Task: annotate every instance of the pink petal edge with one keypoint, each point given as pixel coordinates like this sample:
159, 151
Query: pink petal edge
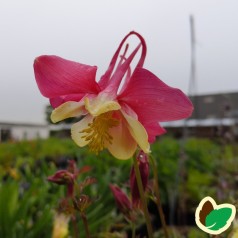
153, 100
57, 77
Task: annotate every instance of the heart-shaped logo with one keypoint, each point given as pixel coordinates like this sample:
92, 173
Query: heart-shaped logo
213, 218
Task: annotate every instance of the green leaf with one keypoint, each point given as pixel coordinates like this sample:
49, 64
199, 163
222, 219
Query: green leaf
218, 218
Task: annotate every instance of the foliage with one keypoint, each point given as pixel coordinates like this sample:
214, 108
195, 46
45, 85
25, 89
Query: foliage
196, 167
28, 164
26, 203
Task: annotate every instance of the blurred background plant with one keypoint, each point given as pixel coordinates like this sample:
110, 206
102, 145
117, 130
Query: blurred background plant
188, 171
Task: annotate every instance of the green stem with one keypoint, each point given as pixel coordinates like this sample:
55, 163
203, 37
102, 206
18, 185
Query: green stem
133, 228
142, 198
85, 223
157, 194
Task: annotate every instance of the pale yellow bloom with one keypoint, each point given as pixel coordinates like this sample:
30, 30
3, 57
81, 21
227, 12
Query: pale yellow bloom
60, 228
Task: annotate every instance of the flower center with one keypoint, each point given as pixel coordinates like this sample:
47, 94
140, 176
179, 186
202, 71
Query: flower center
97, 132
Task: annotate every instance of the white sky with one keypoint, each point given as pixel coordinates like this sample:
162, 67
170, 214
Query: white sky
89, 32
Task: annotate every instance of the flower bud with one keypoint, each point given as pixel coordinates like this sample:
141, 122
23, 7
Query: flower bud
143, 163
122, 201
62, 177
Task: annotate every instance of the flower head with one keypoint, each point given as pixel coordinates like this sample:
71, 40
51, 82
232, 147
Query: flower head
119, 112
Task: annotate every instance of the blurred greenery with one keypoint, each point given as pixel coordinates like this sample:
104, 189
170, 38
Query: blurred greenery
188, 171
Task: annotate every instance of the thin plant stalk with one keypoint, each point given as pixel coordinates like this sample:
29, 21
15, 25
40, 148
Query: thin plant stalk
69, 194
157, 194
142, 198
133, 229
85, 223
75, 227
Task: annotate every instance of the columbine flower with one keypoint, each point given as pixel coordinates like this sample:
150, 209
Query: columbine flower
143, 164
118, 114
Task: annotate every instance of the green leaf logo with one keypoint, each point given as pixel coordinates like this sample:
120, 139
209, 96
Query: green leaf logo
213, 218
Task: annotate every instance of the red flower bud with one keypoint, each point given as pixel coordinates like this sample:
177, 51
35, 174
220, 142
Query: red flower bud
62, 177
122, 201
143, 163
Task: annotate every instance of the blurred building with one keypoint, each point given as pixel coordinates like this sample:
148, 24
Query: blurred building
214, 115
22, 131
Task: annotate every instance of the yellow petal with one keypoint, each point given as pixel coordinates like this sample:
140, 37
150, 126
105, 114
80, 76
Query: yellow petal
100, 104
138, 132
123, 145
77, 128
66, 110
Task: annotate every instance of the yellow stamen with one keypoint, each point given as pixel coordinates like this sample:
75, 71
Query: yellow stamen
97, 132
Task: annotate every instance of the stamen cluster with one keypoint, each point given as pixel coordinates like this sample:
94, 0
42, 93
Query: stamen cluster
97, 132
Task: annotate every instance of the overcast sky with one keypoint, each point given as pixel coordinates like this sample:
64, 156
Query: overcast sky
89, 32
